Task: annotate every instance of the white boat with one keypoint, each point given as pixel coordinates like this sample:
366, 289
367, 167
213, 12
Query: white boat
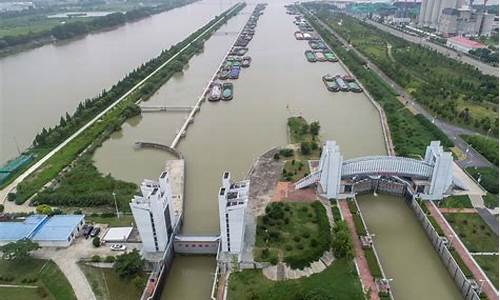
215, 92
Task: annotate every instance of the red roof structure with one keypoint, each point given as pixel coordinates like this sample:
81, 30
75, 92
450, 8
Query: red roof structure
465, 42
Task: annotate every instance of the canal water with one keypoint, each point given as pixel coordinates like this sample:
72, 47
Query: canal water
40, 85
230, 135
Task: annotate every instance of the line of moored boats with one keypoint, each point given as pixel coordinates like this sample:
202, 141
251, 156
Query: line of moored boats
344, 83
235, 60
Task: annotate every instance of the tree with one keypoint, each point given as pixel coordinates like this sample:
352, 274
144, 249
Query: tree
43, 209
314, 128
96, 241
305, 148
2, 208
19, 249
11, 196
129, 264
342, 244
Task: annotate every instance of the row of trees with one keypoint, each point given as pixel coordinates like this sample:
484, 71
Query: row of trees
73, 29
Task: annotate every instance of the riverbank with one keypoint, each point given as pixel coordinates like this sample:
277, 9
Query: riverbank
55, 161
68, 31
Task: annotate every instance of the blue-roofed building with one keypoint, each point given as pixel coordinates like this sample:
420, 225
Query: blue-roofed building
55, 231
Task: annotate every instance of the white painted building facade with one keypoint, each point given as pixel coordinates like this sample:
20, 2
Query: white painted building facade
153, 214
233, 197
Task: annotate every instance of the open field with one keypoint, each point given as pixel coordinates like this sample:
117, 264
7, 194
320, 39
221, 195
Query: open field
339, 279
43, 273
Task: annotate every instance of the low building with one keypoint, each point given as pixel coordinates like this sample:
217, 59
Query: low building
55, 231
233, 198
117, 234
463, 44
154, 215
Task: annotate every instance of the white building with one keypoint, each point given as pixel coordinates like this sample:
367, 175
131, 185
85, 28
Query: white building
431, 178
233, 198
153, 214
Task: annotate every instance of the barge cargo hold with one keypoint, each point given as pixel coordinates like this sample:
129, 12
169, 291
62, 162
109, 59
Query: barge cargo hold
245, 62
310, 56
224, 73
319, 56
330, 56
299, 35
354, 87
215, 91
342, 84
227, 91
330, 83
235, 72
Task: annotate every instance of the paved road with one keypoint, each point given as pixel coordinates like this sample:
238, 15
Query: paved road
453, 132
482, 67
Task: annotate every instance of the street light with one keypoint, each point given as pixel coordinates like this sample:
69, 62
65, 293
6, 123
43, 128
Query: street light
116, 206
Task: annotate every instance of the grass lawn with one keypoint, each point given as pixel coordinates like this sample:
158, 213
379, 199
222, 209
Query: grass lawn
339, 280
124, 220
296, 233
106, 284
489, 264
461, 201
17, 293
46, 273
294, 170
461, 263
488, 147
371, 259
474, 232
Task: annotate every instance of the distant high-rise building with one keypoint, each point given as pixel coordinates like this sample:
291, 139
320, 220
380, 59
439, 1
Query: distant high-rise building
431, 11
153, 214
233, 198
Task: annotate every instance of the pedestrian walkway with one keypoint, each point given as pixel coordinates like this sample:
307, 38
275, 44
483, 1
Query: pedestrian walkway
281, 271
478, 274
364, 272
448, 210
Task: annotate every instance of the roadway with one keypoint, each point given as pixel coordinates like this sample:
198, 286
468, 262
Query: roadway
9, 206
481, 66
473, 158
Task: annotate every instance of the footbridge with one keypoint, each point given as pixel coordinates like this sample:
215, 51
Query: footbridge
167, 108
430, 177
184, 244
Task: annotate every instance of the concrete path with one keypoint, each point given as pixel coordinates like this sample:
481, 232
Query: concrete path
446, 210
478, 274
282, 271
364, 272
489, 219
453, 132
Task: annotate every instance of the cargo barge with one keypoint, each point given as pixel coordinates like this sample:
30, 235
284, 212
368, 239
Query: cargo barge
227, 91
215, 91
330, 83
310, 56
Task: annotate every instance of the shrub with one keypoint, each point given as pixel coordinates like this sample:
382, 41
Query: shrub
2, 208
95, 258
276, 156
129, 264
109, 259
96, 241
11, 197
286, 152
305, 148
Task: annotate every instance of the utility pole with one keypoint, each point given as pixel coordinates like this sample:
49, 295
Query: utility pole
116, 206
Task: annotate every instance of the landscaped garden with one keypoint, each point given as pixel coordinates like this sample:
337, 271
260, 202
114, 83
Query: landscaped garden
295, 233
44, 275
461, 201
473, 231
339, 281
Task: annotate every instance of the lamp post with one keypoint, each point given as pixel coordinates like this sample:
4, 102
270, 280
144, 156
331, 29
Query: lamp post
116, 206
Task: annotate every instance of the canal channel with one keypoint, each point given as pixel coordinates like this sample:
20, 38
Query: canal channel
230, 135
225, 135
53, 79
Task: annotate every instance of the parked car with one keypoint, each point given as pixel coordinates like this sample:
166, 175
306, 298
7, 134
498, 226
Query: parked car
118, 247
95, 231
87, 230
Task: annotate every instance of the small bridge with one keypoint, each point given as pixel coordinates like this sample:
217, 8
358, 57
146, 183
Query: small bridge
184, 244
146, 109
148, 145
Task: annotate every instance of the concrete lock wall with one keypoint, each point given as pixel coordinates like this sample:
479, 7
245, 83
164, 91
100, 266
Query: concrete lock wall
463, 284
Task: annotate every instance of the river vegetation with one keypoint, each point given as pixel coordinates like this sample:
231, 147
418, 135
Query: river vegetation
94, 135
295, 233
410, 135
451, 90
33, 26
339, 281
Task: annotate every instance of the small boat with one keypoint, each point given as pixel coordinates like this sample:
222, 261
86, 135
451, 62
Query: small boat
310, 56
224, 73
245, 62
299, 35
330, 83
354, 87
314, 45
319, 56
348, 78
235, 72
342, 84
215, 92
307, 36
330, 56
227, 91
240, 51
